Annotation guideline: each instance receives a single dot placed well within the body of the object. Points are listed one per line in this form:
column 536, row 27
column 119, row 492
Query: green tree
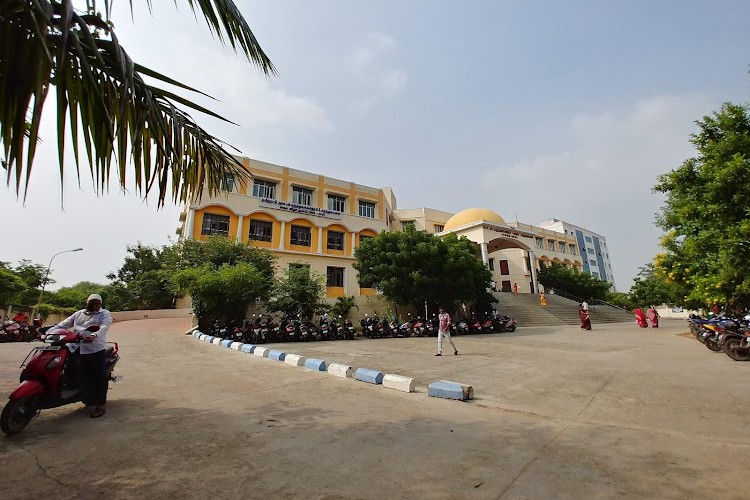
column 11, row 286
column 33, row 276
column 75, row 296
column 650, row 287
column 299, row 292
column 144, row 282
column 572, row 281
column 107, row 98
column 343, row 305
column 705, row 215
column 412, row 267
column 216, row 252
column 223, row 293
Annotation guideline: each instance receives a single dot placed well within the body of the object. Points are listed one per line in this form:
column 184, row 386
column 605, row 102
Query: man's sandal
column 97, row 412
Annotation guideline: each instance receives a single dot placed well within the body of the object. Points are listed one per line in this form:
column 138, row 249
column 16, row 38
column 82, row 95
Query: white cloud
column 369, row 64
column 603, row 178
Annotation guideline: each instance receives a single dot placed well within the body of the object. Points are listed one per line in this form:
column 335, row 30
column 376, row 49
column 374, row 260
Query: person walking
column 653, row 316
column 583, row 314
column 444, row 330
column 515, row 288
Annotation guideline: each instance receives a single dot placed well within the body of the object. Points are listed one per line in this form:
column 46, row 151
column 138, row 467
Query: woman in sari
column 583, row 314
column 640, row 318
column 653, row 317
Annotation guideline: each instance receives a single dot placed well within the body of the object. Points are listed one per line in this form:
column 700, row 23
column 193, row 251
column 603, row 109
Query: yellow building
column 310, row 219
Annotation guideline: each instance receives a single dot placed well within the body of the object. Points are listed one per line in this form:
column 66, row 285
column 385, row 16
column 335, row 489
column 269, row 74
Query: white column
column 320, row 240
column 485, row 255
column 532, row 264
column 283, row 235
column 240, row 223
column 354, row 242
column 189, row 224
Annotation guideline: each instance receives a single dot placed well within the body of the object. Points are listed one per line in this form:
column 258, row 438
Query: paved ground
column 616, row 412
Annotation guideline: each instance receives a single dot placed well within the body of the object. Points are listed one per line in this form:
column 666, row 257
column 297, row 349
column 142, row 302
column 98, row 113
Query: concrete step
column 527, row 311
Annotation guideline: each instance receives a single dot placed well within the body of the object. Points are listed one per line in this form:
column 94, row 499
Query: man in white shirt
column 444, row 330
column 93, row 347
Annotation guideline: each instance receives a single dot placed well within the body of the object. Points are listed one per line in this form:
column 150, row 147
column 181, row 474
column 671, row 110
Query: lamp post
column 44, row 282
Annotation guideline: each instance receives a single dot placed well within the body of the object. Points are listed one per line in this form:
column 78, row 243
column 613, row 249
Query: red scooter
column 51, row 377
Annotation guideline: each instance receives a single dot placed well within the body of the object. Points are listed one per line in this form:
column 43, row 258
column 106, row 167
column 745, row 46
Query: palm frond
column 106, row 103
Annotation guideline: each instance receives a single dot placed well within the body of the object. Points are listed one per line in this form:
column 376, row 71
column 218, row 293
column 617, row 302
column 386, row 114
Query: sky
column 533, row 109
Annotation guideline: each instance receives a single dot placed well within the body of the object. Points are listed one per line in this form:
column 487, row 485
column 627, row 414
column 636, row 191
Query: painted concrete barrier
column 261, row 351
column 248, row 348
column 202, row 337
column 450, row 390
column 295, row 360
column 399, row 382
column 340, row 370
column 236, row 345
column 315, row 364
column 369, row 376
column 276, row 355
column 209, row 339
column 216, row 340
column 225, row 343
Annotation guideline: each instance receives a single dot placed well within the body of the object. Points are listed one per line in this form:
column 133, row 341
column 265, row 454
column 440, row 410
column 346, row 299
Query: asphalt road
column 616, row 412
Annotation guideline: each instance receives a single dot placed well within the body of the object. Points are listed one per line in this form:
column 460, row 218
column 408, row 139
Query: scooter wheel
column 17, row 414
column 512, row 328
column 732, row 349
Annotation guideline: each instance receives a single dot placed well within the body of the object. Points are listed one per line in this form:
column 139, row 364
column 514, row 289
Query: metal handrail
column 602, row 302
column 565, row 295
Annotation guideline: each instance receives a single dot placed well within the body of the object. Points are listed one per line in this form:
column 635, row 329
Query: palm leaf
column 103, row 99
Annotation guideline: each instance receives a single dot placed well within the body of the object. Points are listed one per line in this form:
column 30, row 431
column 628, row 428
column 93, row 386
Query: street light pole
column 44, row 281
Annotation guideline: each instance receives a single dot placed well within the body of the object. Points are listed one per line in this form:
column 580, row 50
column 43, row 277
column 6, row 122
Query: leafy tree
column 650, row 287
column 412, row 267
column 105, row 95
column 143, row 281
column 705, row 215
column 620, row 299
column 223, row 293
column 298, row 292
column 75, row 296
column 572, row 281
column 33, row 276
column 216, row 252
column 343, row 305
column 11, row 286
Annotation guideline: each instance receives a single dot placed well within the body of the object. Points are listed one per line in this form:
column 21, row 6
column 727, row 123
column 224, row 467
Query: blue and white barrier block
column 216, row 340
column 295, row 360
column 202, row 337
column 398, row 382
column 276, row 355
column 248, row 348
column 369, row 376
column 315, row 364
column 208, row 338
column 340, row 370
column 450, row 390
column 236, row 346
column 225, row 343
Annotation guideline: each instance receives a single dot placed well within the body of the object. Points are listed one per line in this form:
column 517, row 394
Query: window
column 572, row 249
column 264, row 189
column 504, row 267
column 336, row 203
column 407, row 223
column 588, row 238
column 551, row 245
column 439, row 228
column 335, row 276
column 592, row 263
column 595, row 274
column 505, row 286
column 590, row 250
column 260, row 230
column 302, row 196
column 362, row 238
column 491, row 264
column 539, row 243
column 215, row 224
column 301, row 236
column 563, row 247
column 227, row 184
column 335, row 240
column 366, row 209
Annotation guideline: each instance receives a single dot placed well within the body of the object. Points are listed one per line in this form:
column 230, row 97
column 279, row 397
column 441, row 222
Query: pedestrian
column 585, row 306
column 542, row 299
column 515, row 288
column 640, row 318
column 93, row 347
column 583, row 314
column 493, row 285
column 444, row 330
column 653, row 316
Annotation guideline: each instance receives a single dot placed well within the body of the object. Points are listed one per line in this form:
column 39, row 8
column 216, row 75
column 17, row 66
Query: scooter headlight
column 54, row 362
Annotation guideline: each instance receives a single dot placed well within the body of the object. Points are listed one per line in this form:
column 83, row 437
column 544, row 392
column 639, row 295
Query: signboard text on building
column 301, row 209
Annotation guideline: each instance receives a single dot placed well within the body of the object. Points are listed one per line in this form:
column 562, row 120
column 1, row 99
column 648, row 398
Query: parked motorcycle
column 51, row 377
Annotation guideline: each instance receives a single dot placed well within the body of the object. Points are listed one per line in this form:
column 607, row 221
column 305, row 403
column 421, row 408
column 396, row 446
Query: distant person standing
column 653, row 316
column 542, row 299
column 515, row 288
column 583, row 314
column 444, row 330
column 493, row 285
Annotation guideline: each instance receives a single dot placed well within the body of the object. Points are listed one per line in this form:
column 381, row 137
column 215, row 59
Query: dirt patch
column 687, row 335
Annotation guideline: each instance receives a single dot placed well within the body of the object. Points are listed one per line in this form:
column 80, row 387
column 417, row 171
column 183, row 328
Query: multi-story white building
column 594, row 251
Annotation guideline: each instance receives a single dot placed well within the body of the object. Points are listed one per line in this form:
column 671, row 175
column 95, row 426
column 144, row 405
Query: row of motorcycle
column 729, row 334
column 19, row 331
column 263, row 329
column 375, row 328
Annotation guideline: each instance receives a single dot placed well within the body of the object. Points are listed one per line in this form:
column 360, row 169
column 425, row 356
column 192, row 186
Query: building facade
column 317, row 221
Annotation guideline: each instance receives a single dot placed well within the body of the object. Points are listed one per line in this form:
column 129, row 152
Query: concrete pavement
column 615, row 412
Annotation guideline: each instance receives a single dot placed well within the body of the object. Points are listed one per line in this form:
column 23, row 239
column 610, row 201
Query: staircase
column 526, row 310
